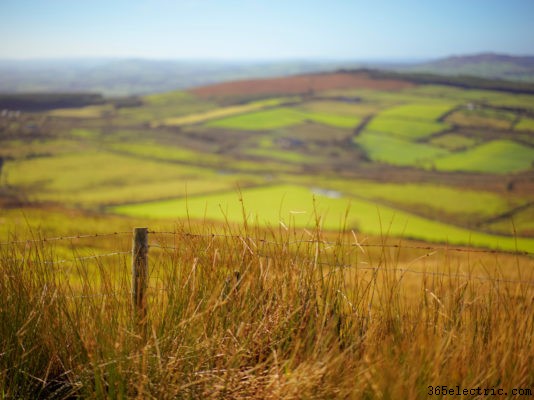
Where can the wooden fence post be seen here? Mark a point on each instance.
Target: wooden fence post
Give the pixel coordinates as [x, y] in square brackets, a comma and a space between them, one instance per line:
[140, 277]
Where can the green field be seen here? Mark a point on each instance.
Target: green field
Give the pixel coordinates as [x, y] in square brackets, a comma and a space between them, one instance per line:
[419, 111]
[95, 178]
[453, 141]
[224, 112]
[519, 223]
[444, 199]
[494, 98]
[485, 118]
[389, 149]
[299, 206]
[281, 155]
[498, 157]
[158, 107]
[166, 153]
[280, 118]
[407, 129]
[19, 149]
[343, 108]
[525, 124]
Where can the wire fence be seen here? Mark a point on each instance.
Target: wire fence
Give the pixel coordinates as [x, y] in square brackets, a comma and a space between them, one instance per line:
[59, 238]
[265, 241]
[285, 244]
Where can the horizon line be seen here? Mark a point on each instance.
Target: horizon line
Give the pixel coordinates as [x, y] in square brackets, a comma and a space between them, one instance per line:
[362, 59]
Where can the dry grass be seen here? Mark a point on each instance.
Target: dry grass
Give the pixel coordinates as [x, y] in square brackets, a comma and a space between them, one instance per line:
[265, 314]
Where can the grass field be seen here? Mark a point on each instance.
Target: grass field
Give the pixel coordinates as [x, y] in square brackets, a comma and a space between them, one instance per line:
[337, 107]
[446, 199]
[525, 124]
[160, 106]
[298, 206]
[499, 99]
[453, 141]
[407, 129]
[486, 118]
[87, 179]
[166, 153]
[420, 111]
[498, 157]
[262, 314]
[282, 155]
[224, 112]
[389, 149]
[19, 149]
[519, 223]
[282, 117]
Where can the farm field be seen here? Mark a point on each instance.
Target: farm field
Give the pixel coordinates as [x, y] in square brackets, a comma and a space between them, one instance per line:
[302, 208]
[345, 132]
[317, 236]
[498, 156]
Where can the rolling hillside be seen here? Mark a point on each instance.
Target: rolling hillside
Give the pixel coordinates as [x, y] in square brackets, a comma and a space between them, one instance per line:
[485, 65]
[299, 138]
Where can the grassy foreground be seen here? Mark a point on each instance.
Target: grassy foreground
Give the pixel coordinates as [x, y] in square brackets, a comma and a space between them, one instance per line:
[241, 312]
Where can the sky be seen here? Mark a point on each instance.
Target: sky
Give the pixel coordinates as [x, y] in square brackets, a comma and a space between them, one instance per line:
[264, 29]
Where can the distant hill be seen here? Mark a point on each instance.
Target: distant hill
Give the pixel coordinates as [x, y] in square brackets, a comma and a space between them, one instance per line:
[126, 77]
[485, 65]
[123, 77]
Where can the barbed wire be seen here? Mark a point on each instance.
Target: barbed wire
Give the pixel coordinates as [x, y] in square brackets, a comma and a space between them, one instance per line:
[246, 239]
[359, 245]
[94, 295]
[380, 269]
[75, 259]
[265, 241]
[432, 273]
[58, 238]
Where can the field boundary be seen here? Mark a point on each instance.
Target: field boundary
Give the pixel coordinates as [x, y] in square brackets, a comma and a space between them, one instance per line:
[142, 242]
[265, 241]
[250, 240]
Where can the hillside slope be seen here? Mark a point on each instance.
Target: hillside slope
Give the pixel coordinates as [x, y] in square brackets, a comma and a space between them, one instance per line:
[485, 65]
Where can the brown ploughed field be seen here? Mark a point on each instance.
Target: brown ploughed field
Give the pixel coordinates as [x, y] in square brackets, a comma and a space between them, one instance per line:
[301, 84]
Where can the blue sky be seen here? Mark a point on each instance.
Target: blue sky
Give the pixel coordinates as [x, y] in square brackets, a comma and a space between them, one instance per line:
[264, 29]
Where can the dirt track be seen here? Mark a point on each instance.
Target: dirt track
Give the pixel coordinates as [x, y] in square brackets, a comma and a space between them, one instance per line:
[302, 84]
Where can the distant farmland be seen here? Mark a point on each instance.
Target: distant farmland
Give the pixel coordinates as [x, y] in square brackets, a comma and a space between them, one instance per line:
[336, 131]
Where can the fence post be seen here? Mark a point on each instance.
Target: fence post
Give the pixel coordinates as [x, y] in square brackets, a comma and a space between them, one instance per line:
[139, 277]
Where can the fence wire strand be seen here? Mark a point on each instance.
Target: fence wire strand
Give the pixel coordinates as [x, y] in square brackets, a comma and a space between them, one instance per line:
[379, 269]
[58, 238]
[246, 239]
[75, 259]
[265, 241]
[359, 245]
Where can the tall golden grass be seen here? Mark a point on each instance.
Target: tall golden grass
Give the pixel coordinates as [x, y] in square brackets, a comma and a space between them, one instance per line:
[254, 313]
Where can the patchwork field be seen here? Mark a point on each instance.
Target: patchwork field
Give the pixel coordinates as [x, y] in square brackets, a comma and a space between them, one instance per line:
[345, 132]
